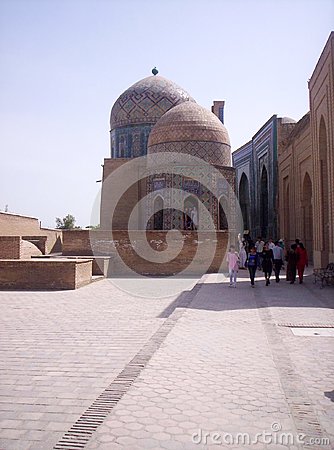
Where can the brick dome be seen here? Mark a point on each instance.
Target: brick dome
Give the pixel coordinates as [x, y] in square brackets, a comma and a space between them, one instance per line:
[190, 128]
[146, 101]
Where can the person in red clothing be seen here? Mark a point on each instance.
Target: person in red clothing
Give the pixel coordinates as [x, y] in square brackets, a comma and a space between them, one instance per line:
[302, 260]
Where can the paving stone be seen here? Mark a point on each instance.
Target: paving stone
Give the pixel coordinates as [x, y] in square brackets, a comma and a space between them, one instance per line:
[225, 366]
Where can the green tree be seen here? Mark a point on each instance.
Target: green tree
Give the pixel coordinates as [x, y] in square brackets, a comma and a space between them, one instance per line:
[67, 223]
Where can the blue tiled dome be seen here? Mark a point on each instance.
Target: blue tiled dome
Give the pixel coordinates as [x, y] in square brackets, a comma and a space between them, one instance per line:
[146, 101]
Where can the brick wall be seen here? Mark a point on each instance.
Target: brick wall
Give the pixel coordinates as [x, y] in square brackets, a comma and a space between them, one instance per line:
[53, 240]
[45, 274]
[124, 254]
[16, 225]
[321, 89]
[83, 274]
[109, 195]
[10, 247]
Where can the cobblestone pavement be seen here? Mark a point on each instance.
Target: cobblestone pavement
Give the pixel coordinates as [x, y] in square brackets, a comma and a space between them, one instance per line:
[223, 362]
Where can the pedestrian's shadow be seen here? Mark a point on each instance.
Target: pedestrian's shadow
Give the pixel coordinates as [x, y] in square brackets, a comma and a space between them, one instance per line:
[330, 395]
[217, 296]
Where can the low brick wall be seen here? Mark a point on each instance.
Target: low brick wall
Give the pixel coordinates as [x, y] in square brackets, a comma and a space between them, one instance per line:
[44, 274]
[13, 247]
[100, 263]
[125, 254]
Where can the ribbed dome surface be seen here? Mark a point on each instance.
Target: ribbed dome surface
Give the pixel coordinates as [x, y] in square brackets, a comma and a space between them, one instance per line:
[193, 130]
[146, 101]
[188, 122]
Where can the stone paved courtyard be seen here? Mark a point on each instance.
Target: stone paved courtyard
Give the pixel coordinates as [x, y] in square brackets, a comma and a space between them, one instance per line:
[99, 368]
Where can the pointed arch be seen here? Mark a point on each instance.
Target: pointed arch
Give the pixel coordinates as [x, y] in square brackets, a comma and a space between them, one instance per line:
[324, 167]
[222, 219]
[158, 217]
[264, 202]
[307, 213]
[190, 213]
[244, 199]
[287, 231]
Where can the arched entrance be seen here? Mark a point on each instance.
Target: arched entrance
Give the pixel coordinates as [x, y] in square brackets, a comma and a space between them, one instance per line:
[190, 213]
[264, 202]
[244, 200]
[222, 219]
[307, 214]
[158, 218]
[287, 233]
[323, 152]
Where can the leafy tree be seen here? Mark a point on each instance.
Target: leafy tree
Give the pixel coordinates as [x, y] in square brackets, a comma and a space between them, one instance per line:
[67, 223]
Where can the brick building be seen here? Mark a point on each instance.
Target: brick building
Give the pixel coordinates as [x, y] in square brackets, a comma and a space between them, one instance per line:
[285, 174]
[306, 168]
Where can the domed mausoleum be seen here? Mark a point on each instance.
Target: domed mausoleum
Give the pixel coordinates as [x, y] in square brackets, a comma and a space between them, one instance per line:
[153, 117]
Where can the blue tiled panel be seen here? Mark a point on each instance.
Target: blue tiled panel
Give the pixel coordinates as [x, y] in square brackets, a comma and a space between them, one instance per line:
[130, 142]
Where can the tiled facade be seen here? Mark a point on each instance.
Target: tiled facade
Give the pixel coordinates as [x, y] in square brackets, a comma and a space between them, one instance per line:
[214, 185]
[129, 141]
[256, 167]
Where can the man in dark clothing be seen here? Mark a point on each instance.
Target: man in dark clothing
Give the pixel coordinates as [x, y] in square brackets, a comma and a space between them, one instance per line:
[252, 263]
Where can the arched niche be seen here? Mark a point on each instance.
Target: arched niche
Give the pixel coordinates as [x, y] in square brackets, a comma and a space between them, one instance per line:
[244, 199]
[158, 217]
[264, 199]
[324, 205]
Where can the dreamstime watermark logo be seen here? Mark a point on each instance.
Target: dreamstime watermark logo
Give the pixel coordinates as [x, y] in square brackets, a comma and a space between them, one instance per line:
[168, 182]
[274, 436]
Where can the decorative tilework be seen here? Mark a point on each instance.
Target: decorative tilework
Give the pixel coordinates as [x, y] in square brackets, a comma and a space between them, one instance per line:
[215, 153]
[200, 191]
[146, 101]
[188, 122]
[129, 142]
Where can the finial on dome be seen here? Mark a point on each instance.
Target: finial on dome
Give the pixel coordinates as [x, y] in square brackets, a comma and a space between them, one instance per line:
[155, 71]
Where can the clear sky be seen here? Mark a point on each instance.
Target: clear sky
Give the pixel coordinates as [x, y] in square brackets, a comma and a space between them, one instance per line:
[65, 62]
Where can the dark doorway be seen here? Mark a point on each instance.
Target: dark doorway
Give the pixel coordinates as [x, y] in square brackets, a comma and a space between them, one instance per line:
[264, 203]
[308, 214]
[244, 200]
[190, 213]
[158, 218]
[324, 167]
[222, 219]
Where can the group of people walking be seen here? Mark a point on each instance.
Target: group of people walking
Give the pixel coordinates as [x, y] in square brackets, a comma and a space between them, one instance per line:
[267, 256]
